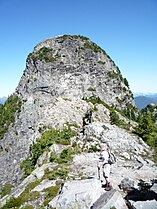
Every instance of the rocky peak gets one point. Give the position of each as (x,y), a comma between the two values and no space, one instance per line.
(73,66)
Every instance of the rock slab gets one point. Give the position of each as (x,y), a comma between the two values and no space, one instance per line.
(110,199)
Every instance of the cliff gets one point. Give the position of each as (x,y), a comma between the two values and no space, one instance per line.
(73,67)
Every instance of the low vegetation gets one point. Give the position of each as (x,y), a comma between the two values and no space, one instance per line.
(25,196)
(48,138)
(147,130)
(43,54)
(94,47)
(130,112)
(8,112)
(6,190)
(59,172)
(82,38)
(114,117)
(101,62)
(97,100)
(50,193)
(126,82)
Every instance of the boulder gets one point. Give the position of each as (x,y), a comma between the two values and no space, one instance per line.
(110,199)
(149,204)
(44,184)
(78,194)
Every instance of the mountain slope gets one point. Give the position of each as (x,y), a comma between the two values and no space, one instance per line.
(143,101)
(65,77)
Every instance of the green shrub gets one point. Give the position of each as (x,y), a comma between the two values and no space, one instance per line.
(97,100)
(6,190)
(126,82)
(116,74)
(146,126)
(94,47)
(66,155)
(147,130)
(28,167)
(17,202)
(129,112)
(11,203)
(43,54)
(95,109)
(53,157)
(94,148)
(7,113)
(101,62)
(25,196)
(60,171)
(28,207)
(114,117)
(83,38)
(48,138)
(50,193)
(113,74)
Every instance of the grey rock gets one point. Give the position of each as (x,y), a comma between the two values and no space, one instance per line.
(149,204)
(37,174)
(43,185)
(78,194)
(154,188)
(110,199)
(127,185)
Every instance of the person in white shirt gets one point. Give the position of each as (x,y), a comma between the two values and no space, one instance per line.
(105,166)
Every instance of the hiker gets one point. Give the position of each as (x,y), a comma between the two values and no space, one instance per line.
(84,123)
(89,115)
(86,120)
(105,166)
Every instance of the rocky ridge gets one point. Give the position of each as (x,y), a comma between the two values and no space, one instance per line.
(61,74)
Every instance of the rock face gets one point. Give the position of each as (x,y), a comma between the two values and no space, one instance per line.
(73,67)
(111,199)
(62,75)
(79,194)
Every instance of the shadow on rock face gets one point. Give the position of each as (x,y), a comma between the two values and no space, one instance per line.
(137,195)
(143,197)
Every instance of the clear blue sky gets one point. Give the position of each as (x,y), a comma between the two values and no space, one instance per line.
(125,29)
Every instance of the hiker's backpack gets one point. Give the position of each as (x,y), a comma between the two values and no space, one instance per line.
(112,158)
